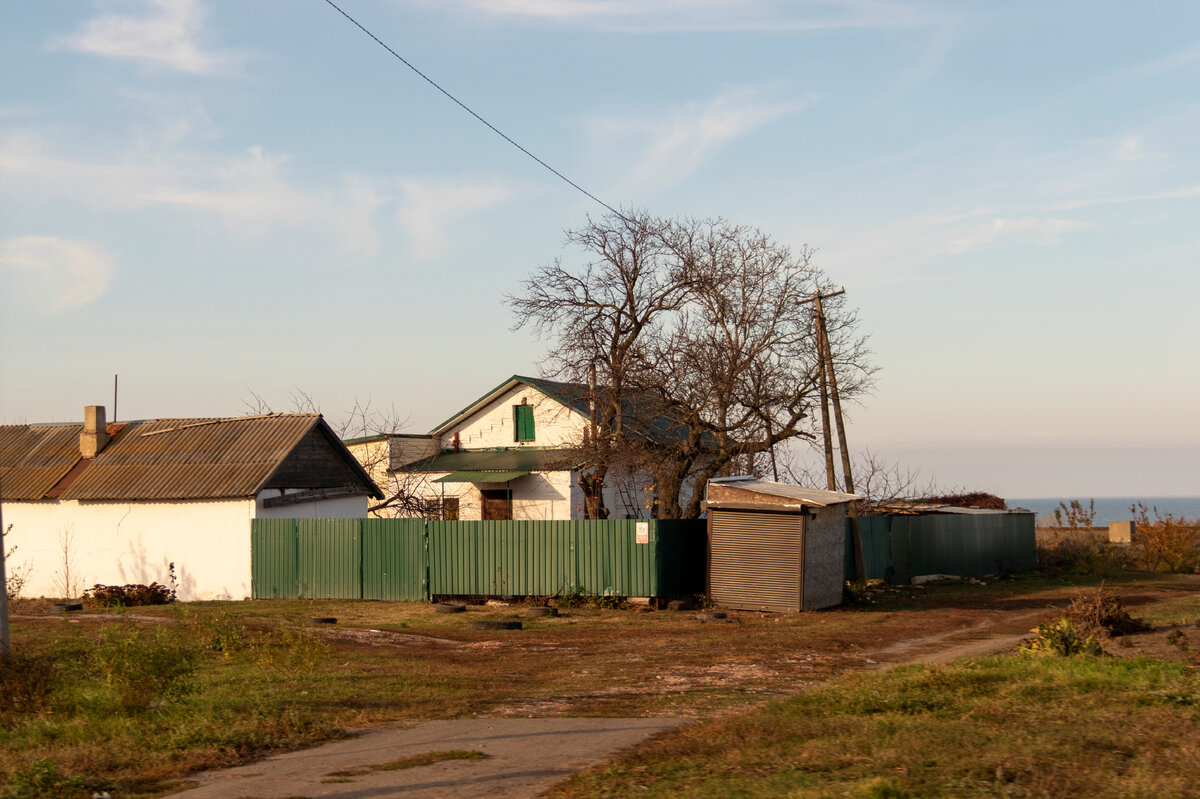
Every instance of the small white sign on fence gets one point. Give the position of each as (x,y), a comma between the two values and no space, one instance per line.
(643,532)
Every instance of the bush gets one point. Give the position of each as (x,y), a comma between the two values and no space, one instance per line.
(129,596)
(145,666)
(1075,546)
(1168,543)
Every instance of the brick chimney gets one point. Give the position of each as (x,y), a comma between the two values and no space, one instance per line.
(95,432)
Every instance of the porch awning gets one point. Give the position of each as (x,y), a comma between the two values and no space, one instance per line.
(480,477)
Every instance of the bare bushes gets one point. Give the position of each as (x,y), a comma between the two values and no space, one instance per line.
(1075,544)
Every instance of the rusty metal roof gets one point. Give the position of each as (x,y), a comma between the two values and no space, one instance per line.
(33,458)
(161,459)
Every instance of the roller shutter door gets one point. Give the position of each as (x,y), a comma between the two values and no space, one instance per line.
(756,560)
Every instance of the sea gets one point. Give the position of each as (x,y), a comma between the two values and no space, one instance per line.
(1114,509)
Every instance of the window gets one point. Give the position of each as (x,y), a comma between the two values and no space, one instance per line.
(523,422)
(450,509)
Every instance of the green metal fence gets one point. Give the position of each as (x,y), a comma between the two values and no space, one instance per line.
(412,559)
(895,548)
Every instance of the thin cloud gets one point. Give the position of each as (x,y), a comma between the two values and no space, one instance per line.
(166,34)
(431,207)
(249,190)
(675,145)
(55,273)
(1186,193)
(1167,63)
(658,16)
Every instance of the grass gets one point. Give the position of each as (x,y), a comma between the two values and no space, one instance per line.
(262,677)
(1010,726)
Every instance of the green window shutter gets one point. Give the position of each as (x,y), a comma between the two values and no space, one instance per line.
(523,422)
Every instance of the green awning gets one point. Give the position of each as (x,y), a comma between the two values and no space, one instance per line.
(480,477)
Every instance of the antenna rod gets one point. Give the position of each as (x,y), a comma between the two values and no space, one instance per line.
(114,419)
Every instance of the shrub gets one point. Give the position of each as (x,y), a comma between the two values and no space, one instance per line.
(129,596)
(1074,546)
(1059,638)
(145,666)
(1168,543)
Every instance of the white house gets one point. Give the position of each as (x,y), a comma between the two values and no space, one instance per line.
(119,503)
(511,454)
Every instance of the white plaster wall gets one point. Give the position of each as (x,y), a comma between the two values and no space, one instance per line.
(337,508)
(554,425)
(116,543)
(542,496)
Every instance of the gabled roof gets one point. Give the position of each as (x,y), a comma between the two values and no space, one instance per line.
(644,417)
(163,459)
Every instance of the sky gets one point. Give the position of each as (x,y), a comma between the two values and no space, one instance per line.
(225,201)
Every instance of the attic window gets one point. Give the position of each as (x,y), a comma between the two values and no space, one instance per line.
(523,422)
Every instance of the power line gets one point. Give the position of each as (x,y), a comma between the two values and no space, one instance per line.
(464,107)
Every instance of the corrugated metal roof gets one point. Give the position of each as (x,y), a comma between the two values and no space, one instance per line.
(33,458)
(526,459)
(192,458)
(815,497)
(161,459)
(480,477)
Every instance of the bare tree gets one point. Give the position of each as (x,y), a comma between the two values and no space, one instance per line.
(602,317)
(876,480)
(706,354)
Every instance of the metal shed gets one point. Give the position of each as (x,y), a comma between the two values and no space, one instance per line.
(773,546)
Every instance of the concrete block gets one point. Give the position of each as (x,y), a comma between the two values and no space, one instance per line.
(1121,532)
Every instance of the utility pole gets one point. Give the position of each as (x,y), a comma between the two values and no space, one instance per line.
(829,391)
(5,641)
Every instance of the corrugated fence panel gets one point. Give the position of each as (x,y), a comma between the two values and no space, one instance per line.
(394,560)
(330,558)
(896,548)
(682,557)
(411,559)
(876,532)
(972,546)
(273,558)
(611,562)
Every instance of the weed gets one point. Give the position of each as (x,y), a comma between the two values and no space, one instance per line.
(42,779)
(222,632)
(26,682)
(143,667)
(1059,638)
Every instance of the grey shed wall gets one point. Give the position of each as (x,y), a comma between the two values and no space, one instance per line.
(824,557)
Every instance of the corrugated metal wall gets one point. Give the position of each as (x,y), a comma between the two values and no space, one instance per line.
(756,561)
(411,559)
(274,571)
(896,548)
(394,560)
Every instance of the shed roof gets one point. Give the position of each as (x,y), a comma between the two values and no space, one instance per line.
(162,459)
(524,459)
(743,488)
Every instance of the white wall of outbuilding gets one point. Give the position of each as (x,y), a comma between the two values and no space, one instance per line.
(122,542)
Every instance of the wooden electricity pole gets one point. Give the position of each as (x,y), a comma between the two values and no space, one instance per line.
(829,392)
(5,642)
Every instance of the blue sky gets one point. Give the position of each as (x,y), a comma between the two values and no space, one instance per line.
(216,199)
